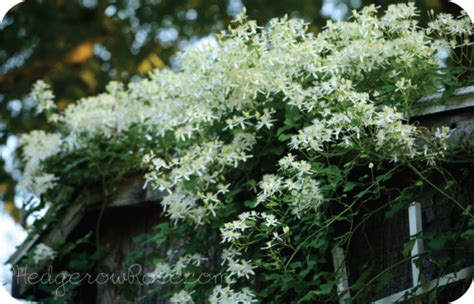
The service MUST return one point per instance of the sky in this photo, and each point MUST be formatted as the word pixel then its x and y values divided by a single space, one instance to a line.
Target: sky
pixel 5 297
pixel 11 235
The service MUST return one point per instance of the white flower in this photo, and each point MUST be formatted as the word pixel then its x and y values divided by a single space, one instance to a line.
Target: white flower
pixel 307 196
pixel 244 216
pixel 229 254
pixel 38 146
pixel 229 236
pixel 404 84
pixel 240 268
pixel 223 189
pixel 237 121
pixel 197 259
pixel 182 297
pixel 42 93
pixel 179 205
pixel 290 164
pixel 226 295
pixel 265 120
pixel 270 220
pixel 312 137
pixel 162 271
pixel 268 245
pixel 42 183
pixel 442 133
pixel 270 184
pixel 445 24
pixel 159 163
pixel 43 252
pixel 232 231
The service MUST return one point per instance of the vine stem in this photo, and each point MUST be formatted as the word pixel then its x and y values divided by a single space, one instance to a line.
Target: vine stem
pixel 417 172
pixel 101 213
pixel 330 222
pixel 389 268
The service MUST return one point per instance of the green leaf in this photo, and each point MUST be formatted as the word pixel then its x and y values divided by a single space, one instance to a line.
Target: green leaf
pixel 296 265
pixel 251 182
pixel 326 288
pixel 408 246
pixel 284 137
pixel 384 279
pixel 278 150
pixel 469 234
pixel 449 92
pixel 191 183
pixel 395 209
pixel 250 203
pixel 349 186
pixel 271 204
pixel 467 211
pixel 292 116
pixel 283 129
pixel 439 243
pixel 383 178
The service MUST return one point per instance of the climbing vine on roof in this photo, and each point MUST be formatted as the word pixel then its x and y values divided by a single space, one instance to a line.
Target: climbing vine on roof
pixel 263 142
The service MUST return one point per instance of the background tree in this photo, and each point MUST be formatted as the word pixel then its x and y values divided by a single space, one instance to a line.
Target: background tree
pixel 78 46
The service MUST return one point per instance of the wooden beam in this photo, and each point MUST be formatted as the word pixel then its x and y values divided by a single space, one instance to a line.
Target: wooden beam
pixel 416 227
pixel 340 269
pixel 463 98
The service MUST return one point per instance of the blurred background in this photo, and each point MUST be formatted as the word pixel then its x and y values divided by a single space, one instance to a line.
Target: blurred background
pixel 78 46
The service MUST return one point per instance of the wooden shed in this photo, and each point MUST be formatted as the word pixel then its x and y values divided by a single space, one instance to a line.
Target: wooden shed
pixel 135 211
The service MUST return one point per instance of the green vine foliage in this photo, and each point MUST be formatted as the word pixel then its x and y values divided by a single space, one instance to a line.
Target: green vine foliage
pixel 272 148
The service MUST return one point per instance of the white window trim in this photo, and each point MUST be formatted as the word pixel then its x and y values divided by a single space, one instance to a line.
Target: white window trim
pixel 419 286
pixel 340 268
pixel 410 293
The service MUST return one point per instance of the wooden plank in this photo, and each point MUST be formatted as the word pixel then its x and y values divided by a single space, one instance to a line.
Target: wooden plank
pixel 415 225
pixel 463 98
pixel 132 193
pixel 341 274
pixel 23 249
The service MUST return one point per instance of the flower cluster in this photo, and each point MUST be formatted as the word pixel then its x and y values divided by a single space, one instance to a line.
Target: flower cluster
pixel 231 232
pixel 447 24
pixel 223 83
pixel 182 297
pixel 167 270
pixel 42 253
pixel 43 95
pixel 297 181
pixel 37 147
pixel 226 295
